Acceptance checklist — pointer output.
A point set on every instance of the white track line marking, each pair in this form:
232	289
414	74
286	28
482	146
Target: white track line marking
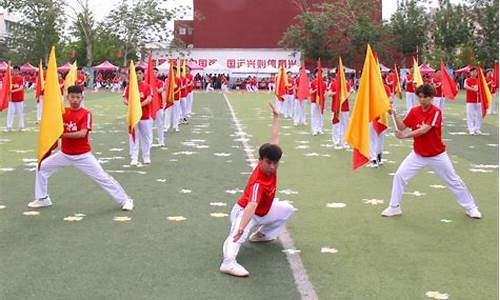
304	286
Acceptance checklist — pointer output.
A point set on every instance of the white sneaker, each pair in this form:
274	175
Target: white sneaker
134	162
128	205
147	160
372	164
258	236
233	268
478	132
473	213
40	203
165	130
392	211
315	133
176	129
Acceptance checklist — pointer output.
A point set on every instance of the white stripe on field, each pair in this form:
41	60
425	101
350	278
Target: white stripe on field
304	286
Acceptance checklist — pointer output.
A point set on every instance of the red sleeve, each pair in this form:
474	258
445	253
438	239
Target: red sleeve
125	94
256	193
86	121
387	90
409	120
434	119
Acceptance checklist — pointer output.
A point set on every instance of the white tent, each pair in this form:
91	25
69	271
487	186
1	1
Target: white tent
269	70
216	68
164	67
384	68
346	70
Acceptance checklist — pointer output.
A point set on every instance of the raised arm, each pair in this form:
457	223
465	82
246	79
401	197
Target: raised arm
275	129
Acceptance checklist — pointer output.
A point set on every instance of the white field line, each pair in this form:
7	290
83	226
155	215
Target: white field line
304	286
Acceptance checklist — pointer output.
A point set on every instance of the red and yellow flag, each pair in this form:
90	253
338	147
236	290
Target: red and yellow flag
281	83
495	75
341	95
371	102
417	76
71	76
152	81
448	85
51	124
170	86
134	112
39	82
5	91
397	83
484	91
303	85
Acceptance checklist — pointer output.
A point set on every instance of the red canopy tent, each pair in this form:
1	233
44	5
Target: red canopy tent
64	68
425	68
105	66
28	68
465	69
194	66
3	66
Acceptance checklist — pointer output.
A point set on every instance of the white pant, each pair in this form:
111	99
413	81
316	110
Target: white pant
376	142
86	163
271	225
442	167
177	114
116	87
299	115
184	111
339	129
190	98
288	109
15	108
144	137
491	109
209	88
39	107
255	89
249	88
168	114
278	104
316	118
224	88
474	117
439	102
410	101
160	127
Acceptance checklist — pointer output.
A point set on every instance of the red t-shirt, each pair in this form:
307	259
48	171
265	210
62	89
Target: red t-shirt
17	82
184	90
471	96
80	81
261	189
490	80
177	89
391	81
189	80
314	86
430	143
75	120
388	91
290	90
333	88
436	81
410	86
144	92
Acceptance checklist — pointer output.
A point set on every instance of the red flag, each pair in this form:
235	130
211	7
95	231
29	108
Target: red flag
303	86
341	95
448	85
6	89
483	91
152	81
397	83
495	75
320	92
281	84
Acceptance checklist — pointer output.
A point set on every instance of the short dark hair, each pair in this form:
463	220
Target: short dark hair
74	89
426	89
270	151
155	69
16	68
137	69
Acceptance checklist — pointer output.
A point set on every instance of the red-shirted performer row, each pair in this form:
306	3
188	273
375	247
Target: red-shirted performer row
76	151
256	207
16	103
428	150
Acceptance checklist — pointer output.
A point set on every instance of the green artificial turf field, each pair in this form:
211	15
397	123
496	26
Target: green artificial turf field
433	246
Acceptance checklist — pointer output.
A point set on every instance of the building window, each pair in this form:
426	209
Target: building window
190	31
182	31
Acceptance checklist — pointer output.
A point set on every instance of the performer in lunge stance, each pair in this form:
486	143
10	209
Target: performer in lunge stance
256	207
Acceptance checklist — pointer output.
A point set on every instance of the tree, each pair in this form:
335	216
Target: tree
84	27
409	25
40	27
484	14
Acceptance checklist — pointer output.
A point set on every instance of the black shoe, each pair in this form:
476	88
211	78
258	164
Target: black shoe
379	158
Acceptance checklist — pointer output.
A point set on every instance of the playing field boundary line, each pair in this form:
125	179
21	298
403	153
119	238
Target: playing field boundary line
304	286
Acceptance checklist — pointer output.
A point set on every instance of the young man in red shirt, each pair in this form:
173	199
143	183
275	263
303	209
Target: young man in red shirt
473	104
287	105
410	92
177	102
76	151
183	100
168	108
159	118
81	80
377	137
436	81
340	119
190	87
316	112
256	207
428	150
16	103
144	129
493	89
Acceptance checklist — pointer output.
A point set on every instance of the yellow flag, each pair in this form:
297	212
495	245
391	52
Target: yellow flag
70	77
170	86
183	74
371	102
51	125
342	92
178	72
134	112
417	77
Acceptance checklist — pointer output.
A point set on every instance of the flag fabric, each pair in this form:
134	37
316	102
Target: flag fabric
183	72
320	93
303	85
495	75
342	94
51	124
134	109
417	76
448	85
39	82
483	91
5	91
152	81
170	85
178	72
281	84
397	83
71	76
371	102
382	122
